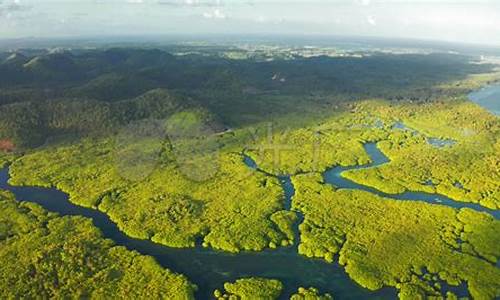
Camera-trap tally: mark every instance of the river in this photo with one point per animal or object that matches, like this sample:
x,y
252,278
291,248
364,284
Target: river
x,y
488,97
209,269
334,177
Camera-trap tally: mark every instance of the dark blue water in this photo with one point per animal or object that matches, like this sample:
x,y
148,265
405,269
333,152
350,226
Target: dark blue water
x,y
334,177
488,97
288,190
209,269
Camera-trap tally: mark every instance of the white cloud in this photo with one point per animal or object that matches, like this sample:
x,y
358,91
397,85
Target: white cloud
x,y
9,8
216,13
371,20
191,3
364,2
454,20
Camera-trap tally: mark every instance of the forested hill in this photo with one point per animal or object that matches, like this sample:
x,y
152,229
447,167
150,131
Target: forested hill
x,y
116,74
29,124
50,93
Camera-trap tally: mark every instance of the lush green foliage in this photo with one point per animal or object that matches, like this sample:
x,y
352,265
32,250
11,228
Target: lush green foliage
x,y
310,294
410,245
335,141
46,256
141,135
234,210
467,171
32,123
264,289
250,289
44,94
5,158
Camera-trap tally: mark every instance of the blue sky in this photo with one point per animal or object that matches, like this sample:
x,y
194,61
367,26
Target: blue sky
x,y
466,21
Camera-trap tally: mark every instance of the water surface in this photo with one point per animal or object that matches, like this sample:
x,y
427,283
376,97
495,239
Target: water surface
x,y
488,97
209,269
334,177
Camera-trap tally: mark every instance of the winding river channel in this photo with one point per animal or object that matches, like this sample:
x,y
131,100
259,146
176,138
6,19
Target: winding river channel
x,y
209,269
333,176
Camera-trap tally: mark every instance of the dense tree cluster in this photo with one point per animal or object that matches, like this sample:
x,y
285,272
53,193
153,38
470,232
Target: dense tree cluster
x,y
388,242
47,256
468,170
43,94
236,209
465,169
30,124
310,294
250,289
255,288
5,158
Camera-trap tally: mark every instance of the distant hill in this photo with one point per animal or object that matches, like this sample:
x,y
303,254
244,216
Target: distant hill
x,y
29,124
16,59
44,93
113,86
59,66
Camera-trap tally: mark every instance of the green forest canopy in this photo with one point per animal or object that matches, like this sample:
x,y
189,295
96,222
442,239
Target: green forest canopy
x,y
44,255
85,135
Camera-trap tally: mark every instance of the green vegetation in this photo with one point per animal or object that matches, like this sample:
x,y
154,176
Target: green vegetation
x,y
310,294
413,246
335,141
410,245
156,142
5,159
47,256
250,289
285,221
264,289
44,94
30,124
466,171
232,211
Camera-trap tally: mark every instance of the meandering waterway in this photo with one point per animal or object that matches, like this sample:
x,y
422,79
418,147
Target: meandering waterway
x,y
334,176
209,269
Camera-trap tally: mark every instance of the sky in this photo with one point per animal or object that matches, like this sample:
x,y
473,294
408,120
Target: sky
x,y
466,21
